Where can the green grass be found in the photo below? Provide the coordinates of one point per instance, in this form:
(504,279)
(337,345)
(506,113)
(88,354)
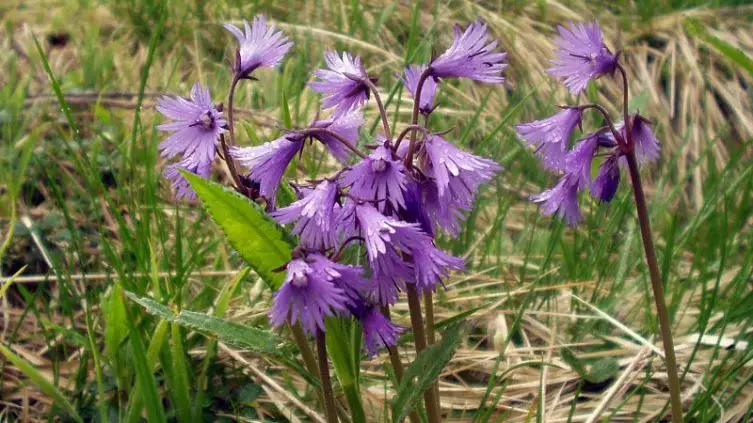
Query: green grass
(86,215)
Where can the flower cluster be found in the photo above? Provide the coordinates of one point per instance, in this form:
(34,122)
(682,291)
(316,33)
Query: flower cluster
(582,56)
(393,198)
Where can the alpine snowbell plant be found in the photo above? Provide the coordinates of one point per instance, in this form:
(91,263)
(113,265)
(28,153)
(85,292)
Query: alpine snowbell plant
(628,144)
(392,195)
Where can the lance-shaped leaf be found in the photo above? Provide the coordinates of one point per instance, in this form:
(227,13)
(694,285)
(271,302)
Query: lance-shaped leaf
(262,243)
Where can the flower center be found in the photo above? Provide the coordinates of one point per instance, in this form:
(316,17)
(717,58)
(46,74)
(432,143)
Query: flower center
(206,120)
(379,165)
(300,279)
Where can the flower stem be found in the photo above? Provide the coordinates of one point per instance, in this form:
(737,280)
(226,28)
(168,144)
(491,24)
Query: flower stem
(231,128)
(414,117)
(382,111)
(329,398)
(335,135)
(417,322)
(658,288)
(405,131)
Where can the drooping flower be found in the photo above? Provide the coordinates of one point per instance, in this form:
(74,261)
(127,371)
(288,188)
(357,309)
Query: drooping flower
(432,265)
(260,46)
(342,84)
(446,212)
(550,136)
(578,160)
(195,128)
(410,79)
(378,177)
(347,126)
(378,330)
(470,56)
(415,210)
(581,56)
(308,295)
(385,237)
(179,183)
(562,199)
(646,144)
(604,187)
(348,278)
(314,216)
(458,174)
(267,162)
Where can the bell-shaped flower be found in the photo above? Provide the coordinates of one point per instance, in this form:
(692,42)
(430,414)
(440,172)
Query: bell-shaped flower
(342,83)
(581,56)
(471,56)
(260,46)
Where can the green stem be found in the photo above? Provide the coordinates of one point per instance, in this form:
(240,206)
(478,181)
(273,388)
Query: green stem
(417,323)
(658,288)
(329,397)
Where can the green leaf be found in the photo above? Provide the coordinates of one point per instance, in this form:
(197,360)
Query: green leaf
(258,239)
(422,373)
(179,392)
(285,111)
(231,333)
(602,370)
(40,381)
(339,347)
(697,29)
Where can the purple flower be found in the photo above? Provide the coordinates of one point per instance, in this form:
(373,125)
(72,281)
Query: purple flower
(646,144)
(431,265)
(385,237)
(457,174)
(195,128)
(378,330)
(378,177)
(604,187)
(582,56)
(347,126)
(578,160)
(179,183)
(308,295)
(470,56)
(267,162)
(428,91)
(446,212)
(342,84)
(260,46)
(314,216)
(551,136)
(348,278)
(562,199)
(415,210)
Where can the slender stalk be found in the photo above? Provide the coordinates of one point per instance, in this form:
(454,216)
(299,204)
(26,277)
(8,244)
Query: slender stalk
(309,360)
(231,129)
(329,398)
(605,114)
(625,101)
(658,288)
(414,118)
(417,322)
(382,111)
(335,135)
(405,131)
